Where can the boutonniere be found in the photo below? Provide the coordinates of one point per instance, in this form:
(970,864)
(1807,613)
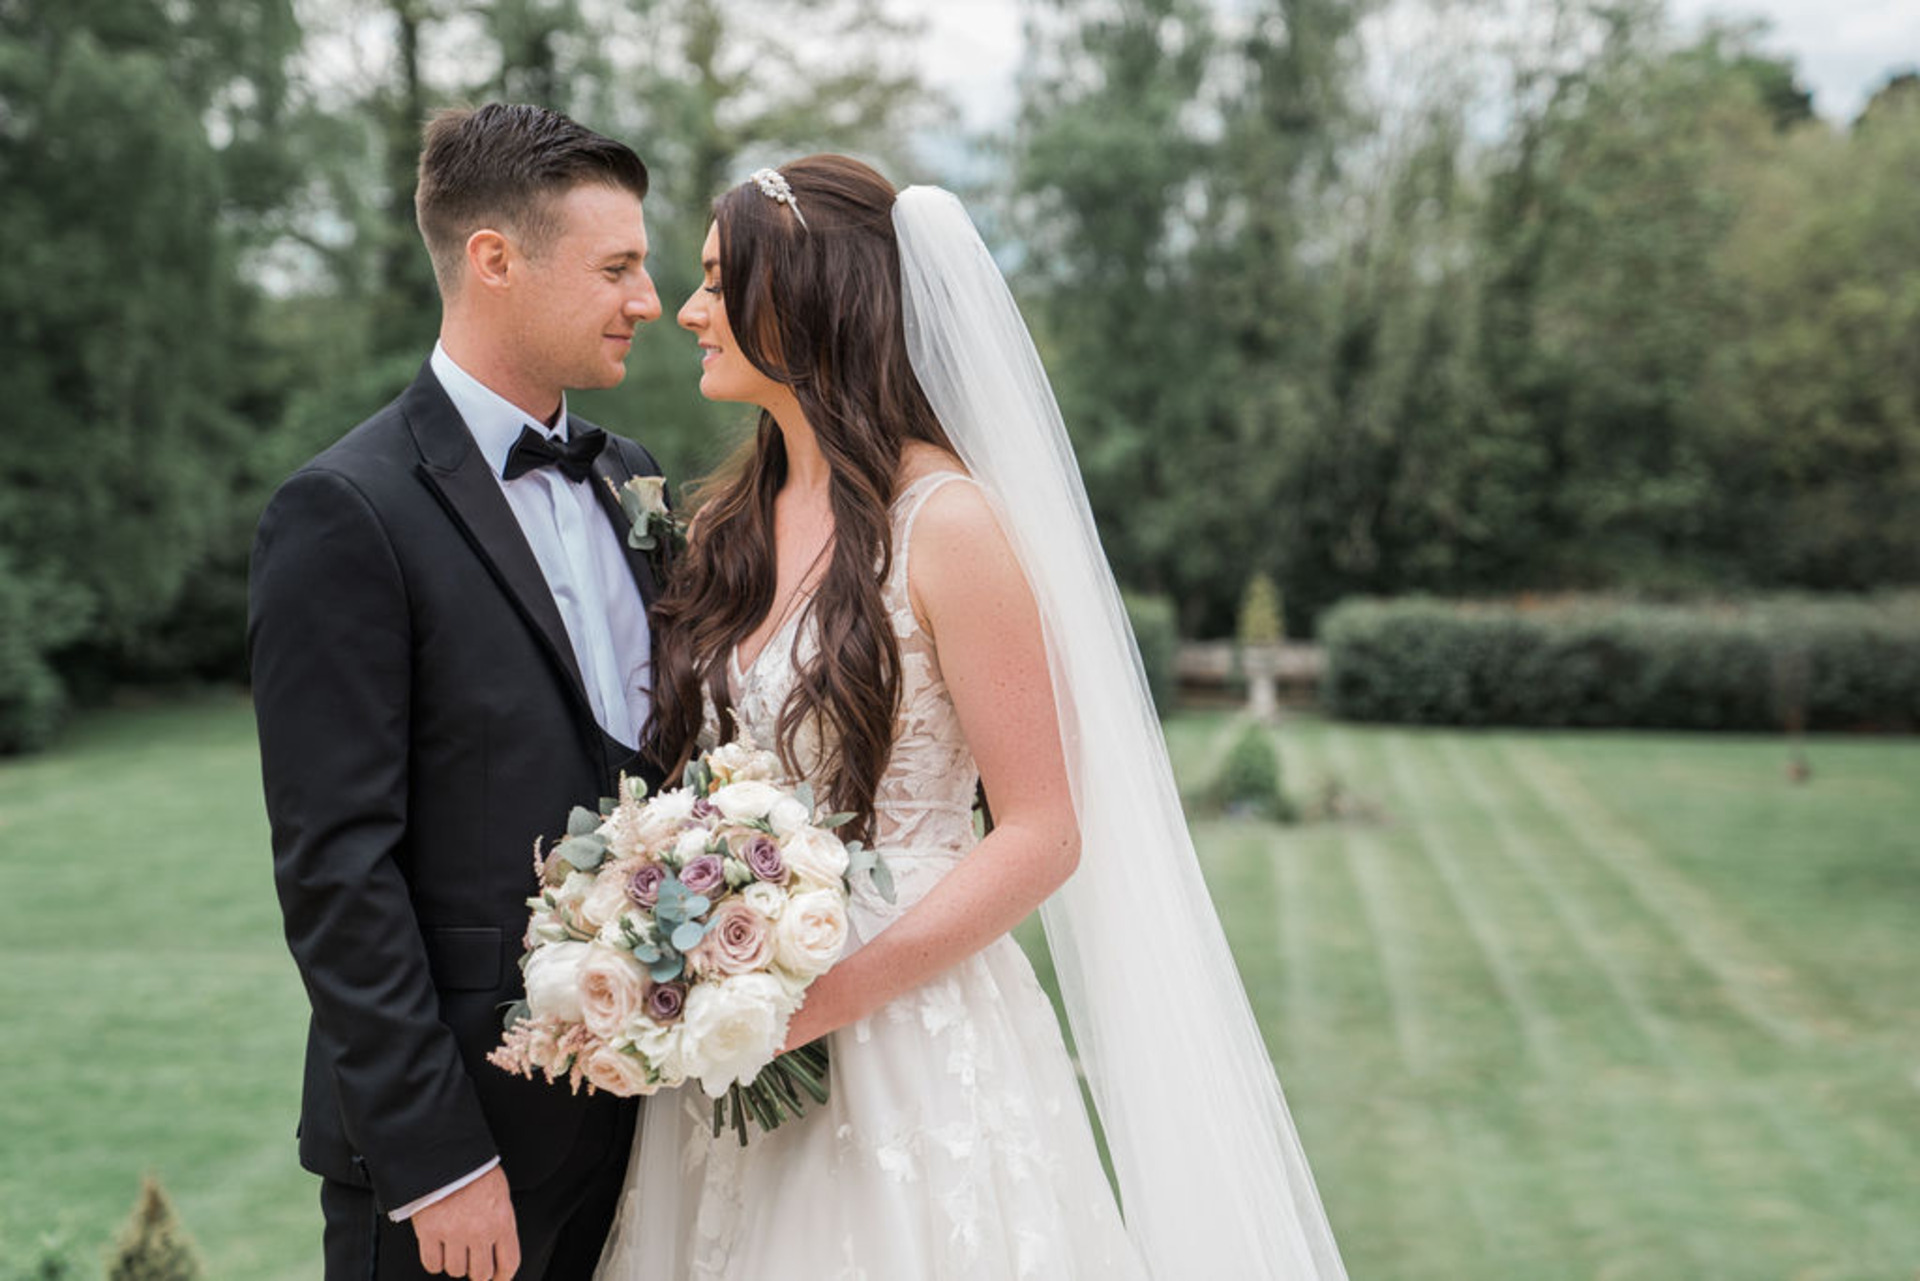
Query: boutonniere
(652,526)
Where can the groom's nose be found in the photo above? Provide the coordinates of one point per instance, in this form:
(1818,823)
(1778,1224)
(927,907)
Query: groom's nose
(644,305)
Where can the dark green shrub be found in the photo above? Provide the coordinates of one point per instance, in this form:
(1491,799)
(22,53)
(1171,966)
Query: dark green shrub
(1157,633)
(34,619)
(1762,664)
(153,1246)
(1249,780)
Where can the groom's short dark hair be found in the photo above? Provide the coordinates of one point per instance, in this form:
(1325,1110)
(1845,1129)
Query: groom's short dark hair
(504,164)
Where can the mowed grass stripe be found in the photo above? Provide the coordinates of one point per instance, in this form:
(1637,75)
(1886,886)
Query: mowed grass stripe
(1757,984)
(1473,897)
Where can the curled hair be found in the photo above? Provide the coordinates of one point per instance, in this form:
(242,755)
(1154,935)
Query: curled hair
(505,164)
(817,307)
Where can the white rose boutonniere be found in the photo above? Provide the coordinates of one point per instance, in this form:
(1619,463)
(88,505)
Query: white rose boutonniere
(655,528)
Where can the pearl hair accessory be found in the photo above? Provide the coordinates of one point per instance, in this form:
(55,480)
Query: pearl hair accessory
(773,184)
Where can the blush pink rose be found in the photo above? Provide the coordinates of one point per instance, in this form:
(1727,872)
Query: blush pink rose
(737,942)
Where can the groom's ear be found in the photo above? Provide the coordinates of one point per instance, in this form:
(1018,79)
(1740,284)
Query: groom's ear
(488,254)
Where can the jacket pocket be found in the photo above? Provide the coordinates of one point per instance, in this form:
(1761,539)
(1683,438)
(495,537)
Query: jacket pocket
(464,958)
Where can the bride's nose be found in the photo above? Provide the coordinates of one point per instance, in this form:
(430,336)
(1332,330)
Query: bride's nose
(691,314)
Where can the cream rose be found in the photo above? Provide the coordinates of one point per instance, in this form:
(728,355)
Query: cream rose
(661,818)
(662,1048)
(732,1029)
(811,933)
(692,843)
(572,890)
(553,981)
(788,816)
(608,897)
(815,854)
(617,1072)
(765,898)
(745,801)
(739,763)
(613,987)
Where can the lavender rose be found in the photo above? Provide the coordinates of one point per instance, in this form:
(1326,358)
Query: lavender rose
(643,887)
(665,1002)
(704,875)
(763,858)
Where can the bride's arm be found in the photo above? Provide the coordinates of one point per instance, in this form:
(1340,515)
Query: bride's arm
(968,590)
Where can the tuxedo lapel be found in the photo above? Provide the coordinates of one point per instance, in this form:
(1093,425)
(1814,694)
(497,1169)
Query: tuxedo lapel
(453,469)
(610,471)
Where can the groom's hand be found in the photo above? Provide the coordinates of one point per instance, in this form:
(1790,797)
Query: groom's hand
(471,1233)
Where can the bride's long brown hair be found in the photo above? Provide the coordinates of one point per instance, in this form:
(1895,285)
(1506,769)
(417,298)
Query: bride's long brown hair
(816,307)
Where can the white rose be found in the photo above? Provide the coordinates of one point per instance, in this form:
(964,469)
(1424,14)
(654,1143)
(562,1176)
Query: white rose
(731,1029)
(661,817)
(811,933)
(606,900)
(661,1047)
(613,989)
(692,843)
(816,854)
(572,890)
(765,898)
(617,1072)
(553,981)
(651,491)
(787,816)
(745,801)
(740,762)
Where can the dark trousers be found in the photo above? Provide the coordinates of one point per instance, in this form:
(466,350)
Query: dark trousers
(562,1222)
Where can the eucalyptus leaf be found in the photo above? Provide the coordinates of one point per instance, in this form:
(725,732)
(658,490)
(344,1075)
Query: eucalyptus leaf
(515,1013)
(667,968)
(804,794)
(582,821)
(687,935)
(882,877)
(584,852)
(832,821)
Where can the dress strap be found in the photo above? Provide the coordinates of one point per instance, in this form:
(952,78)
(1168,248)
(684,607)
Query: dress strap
(906,510)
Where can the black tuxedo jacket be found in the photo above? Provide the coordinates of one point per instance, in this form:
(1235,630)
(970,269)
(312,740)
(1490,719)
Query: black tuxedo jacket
(422,720)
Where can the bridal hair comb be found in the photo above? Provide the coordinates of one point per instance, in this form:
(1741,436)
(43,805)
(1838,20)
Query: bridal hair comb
(774,186)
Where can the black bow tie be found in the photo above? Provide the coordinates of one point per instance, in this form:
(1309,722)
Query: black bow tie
(574,458)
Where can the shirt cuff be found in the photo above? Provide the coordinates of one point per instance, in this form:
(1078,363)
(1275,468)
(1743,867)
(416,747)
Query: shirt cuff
(412,1208)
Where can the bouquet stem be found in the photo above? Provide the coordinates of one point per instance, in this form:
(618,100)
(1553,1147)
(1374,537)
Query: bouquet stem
(775,1093)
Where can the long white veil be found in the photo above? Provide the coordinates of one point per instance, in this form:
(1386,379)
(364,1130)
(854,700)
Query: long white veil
(1212,1179)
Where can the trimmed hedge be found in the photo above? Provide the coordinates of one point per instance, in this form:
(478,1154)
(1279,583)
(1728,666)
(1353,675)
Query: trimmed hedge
(1762,664)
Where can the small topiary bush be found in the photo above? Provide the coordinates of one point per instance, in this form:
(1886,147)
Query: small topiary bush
(1248,784)
(153,1246)
(1762,664)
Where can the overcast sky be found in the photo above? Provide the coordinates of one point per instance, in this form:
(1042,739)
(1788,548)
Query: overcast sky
(1844,49)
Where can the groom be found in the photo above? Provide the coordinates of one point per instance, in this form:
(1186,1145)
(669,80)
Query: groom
(450,649)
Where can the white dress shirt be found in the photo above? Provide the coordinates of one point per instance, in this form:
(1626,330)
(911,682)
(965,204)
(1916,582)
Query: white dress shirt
(579,551)
(581,556)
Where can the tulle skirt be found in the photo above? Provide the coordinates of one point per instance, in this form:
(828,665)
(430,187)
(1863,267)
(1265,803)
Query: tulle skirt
(955,1147)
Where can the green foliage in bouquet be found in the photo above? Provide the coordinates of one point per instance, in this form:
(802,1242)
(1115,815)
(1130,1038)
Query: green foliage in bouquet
(153,1246)
(1248,784)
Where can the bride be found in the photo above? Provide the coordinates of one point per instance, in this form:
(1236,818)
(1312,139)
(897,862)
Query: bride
(898,585)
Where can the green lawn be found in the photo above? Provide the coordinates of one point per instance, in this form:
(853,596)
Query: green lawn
(1545,1005)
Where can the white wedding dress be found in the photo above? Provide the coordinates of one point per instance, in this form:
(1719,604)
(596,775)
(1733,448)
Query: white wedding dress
(955,1146)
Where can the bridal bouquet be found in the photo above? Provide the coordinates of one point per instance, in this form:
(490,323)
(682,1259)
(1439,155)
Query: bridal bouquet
(675,936)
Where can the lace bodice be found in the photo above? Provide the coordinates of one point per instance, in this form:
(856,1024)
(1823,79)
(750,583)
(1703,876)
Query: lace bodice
(923,807)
